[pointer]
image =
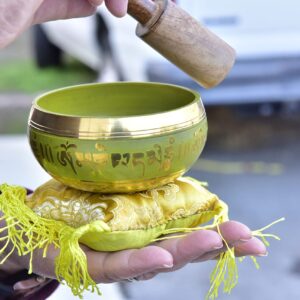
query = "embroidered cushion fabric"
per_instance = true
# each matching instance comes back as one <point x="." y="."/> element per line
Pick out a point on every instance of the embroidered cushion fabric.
<point x="129" y="220"/>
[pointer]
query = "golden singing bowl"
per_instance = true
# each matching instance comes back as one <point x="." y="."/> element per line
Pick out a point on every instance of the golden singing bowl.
<point x="117" y="137"/>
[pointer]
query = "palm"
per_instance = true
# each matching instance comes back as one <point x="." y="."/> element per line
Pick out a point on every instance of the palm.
<point x="173" y="254"/>
<point x="145" y="263"/>
<point x="165" y="256"/>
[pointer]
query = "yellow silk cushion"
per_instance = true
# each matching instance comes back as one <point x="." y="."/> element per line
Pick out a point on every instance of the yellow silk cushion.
<point x="127" y="220"/>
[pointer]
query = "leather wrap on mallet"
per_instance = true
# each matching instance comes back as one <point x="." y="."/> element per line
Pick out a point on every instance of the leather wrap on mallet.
<point x="183" y="40"/>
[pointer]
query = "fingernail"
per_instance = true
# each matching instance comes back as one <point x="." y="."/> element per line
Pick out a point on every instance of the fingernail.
<point x="18" y="286"/>
<point x="40" y="279"/>
<point x="168" y="266"/>
<point x="218" y="247"/>
<point x="240" y="241"/>
<point x="245" y="240"/>
<point x="263" y="255"/>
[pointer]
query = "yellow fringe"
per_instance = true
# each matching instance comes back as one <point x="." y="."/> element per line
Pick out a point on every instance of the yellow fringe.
<point x="226" y="272"/>
<point x="28" y="232"/>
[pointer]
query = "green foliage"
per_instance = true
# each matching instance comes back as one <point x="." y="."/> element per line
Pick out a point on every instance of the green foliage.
<point x="24" y="76"/>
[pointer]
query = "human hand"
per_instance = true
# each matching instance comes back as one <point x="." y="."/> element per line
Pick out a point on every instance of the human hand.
<point x="164" y="256"/>
<point x="172" y="254"/>
<point x="17" y="15"/>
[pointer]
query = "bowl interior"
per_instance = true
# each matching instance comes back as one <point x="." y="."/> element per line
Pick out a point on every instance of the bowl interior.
<point x="116" y="99"/>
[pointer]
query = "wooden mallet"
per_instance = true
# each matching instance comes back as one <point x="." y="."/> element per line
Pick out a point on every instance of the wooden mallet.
<point x="182" y="40"/>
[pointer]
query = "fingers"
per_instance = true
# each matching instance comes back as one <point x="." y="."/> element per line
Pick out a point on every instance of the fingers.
<point x="234" y="232"/>
<point x="117" y="7"/>
<point x="189" y="248"/>
<point x="237" y="235"/>
<point x="206" y="244"/>
<point x="57" y="9"/>
<point x="253" y="247"/>
<point x="29" y="283"/>
<point x="66" y="9"/>
<point x="29" y="287"/>
<point x="118" y="266"/>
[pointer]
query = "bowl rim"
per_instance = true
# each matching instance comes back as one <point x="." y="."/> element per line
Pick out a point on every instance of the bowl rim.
<point x="69" y="125"/>
<point x="79" y="86"/>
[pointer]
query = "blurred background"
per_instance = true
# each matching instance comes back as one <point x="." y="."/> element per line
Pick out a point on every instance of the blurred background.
<point x="252" y="156"/>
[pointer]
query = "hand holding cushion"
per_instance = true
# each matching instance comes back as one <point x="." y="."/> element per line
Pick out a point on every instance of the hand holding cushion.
<point x="143" y="261"/>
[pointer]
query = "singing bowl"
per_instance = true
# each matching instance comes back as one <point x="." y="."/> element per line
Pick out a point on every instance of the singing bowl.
<point x="117" y="137"/>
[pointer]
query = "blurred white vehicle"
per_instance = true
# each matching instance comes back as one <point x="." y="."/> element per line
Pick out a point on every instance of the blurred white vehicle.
<point x="265" y="34"/>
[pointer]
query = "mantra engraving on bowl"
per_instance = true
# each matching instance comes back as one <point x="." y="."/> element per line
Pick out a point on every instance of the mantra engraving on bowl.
<point x="96" y="161"/>
<point x="62" y="154"/>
